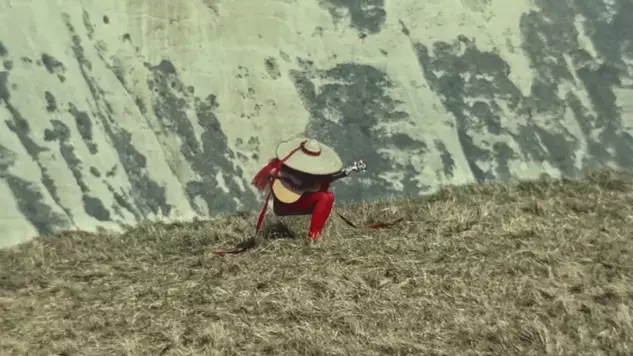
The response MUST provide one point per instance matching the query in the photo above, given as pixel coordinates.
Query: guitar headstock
(356, 166)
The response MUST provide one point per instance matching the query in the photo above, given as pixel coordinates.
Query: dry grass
(529, 268)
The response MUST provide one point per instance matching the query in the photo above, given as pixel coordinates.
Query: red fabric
(319, 204)
(262, 178)
(262, 213)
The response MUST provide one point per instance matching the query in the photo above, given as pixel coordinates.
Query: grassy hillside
(529, 268)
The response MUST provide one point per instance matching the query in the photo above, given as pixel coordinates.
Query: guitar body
(284, 192)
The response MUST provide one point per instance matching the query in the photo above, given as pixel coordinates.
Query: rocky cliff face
(125, 110)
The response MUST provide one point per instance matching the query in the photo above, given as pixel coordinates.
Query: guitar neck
(339, 175)
(345, 172)
(342, 174)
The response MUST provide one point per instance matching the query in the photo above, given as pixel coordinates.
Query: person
(307, 168)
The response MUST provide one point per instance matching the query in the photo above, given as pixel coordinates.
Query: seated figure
(299, 178)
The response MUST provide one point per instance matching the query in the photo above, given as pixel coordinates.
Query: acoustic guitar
(288, 189)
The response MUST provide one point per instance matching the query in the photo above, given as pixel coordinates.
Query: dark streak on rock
(61, 134)
(404, 29)
(147, 195)
(358, 97)
(95, 208)
(140, 105)
(123, 200)
(4, 86)
(468, 72)
(555, 37)
(29, 199)
(84, 126)
(3, 50)
(20, 126)
(92, 206)
(90, 30)
(503, 155)
(549, 35)
(112, 172)
(53, 66)
(272, 67)
(209, 157)
(51, 103)
(116, 209)
(7, 159)
(365, 15)
(95, 172)
(27, 195)
(448, 163)
(119, 70)
(600, 83)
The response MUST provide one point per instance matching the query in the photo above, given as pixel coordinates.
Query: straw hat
(312, 157)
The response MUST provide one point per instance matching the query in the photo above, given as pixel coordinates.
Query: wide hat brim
(326, 162)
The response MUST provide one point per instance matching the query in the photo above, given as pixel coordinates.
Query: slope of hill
(524, 268)
(123, 110)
